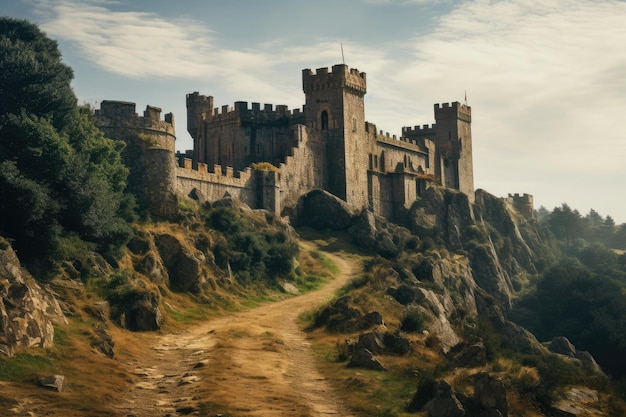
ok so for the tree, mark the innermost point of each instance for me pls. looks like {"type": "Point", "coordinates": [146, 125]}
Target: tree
{"type": "Point", "coordinates": [60, 178]}
{"type": "Point", "coordinates": [566, 223]}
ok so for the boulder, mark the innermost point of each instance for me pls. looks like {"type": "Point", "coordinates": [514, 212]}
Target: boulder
{"type": "Point", "coordinates": [102, 342]}
{"type": "Point", "coordinates": [52, 382]}
{"type": "Point", "coordinates": [466, 355]}
{"type": "Point", "coordinates": [363, 230]}
{"type": "Point", "coordinates": [396, 343]}
{"type": "Point", "coordinates": [363, 358]}
{"type": "Point", "coordinates": [145, 313]}
{"type": "Point", "coordinates": [372, 342]}
{"type": "Point", "coordinates": [562, 346]}
{"type": "Point", "coordinates": [444, 402]}
{"type": "Point", "coordinates": [373, 318]}
{"type": "Point", "coordinates": [404, 294]}
{"type": "Point", "coordinates": [322, 210]}
{"type": "Point", "coordinates": [340, 316]}
{"type": "Point", "coordinates": [490, 393]}
{"type": "Point", "coordinates": [588, 361]}
{"type": "Point", "coordinates": [578, 402]}
{"type": "Point", "coordinates": [184, 264]}
{"type": "Point", "coordinates": [27, 309]}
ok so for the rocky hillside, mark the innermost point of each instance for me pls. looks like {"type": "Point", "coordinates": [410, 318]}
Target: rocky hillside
{"type": "Point", "coordinates": [440, 287]}
{"type": "Point", "coordinates": [429, 312]}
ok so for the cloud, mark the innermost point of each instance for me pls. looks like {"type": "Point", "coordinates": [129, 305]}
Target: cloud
{"type": "Point", "coordinates": [132, 44]}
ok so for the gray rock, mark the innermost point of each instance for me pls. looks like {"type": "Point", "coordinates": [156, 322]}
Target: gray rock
{"type": "Point", "coordinates": [373, 318]}
{"type": "Point", "coordinates": [490, 393]}
{"type": "Point", "coordinates": [363, 358]}
{"type": "Point", "coordinates": [444, 402]}
{"type": "Point", "coordinates": [563, 346]}
{"type": "Point", "coordinates": [363, 230]}
{"type": "Point", "coordinates": [588, 361]}
{"type": "Point", "coordinates": [52, 382]}
{"type": "Point", "coordinates": [372, 342]}
{"type": "Point", "coordinates": [468, 356]}
{"type": "Point", "coordinates": [396, 344]}
{"type": "Point", "coordinates": [145, 314]}
{"type": "Point", "coordinates": [27, 309]}
{"type": "Point", "coordinates": [322, 210]}
{"type": "Point", "coordinates": [103, 342]}
{"type": "Point", "coordinates": [183, 265]}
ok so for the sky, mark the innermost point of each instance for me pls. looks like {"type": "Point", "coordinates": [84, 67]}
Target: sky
{"type": "Point", "coordinates": [546, 79]}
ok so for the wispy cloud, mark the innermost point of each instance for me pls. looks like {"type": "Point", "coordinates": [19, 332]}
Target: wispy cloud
{"type": "Point", "coordinates": [546, 79]}
{"type": "Point", "coordinates": [133, 44]}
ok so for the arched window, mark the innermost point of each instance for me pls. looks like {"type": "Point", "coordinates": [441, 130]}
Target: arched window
{"type": "Point", "coordinates": [324, 120]}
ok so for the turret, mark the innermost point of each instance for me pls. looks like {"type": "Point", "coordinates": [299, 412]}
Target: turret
{"type": "Point", "coordinates": [454, 146]}
{"type": "Point", "coordinates": [149, 152]}
{"type": "Point", "coordinates": [335, 107]}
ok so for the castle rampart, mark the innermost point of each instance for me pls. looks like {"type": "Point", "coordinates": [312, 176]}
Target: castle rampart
{"type": "Point", "coordinates": [523, 204]}
{"type": "Point", "coordinates": [326, 144]}
{"type": "Point", "coordinates": [149, 153]}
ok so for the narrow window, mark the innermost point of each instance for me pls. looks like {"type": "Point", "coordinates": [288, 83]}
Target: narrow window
{"type": "Point", "coordinates": [324, 120]}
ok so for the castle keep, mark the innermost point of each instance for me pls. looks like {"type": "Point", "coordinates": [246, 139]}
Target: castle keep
{"type": "Point", "coordinates": [268, 156]}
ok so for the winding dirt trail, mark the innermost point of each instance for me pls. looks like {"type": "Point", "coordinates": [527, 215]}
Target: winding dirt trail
{"type": "Point", "coordinates": [253, 363]}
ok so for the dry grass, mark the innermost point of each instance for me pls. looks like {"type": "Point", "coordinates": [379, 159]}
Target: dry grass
{"type": "Point", "coordinates": [374, 393]}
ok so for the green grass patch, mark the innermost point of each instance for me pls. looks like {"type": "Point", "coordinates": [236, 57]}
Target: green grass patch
{"type": "Point", "coordinates": [368, 393]}
{"type": "Point", "coordinates": [25, 366]}
{"type": "Point", "coordinates": [325, 261]}
{"type": "Point", "coordinates": [307, 283]}
{"type": "Point", "coordinates": [187, 315]}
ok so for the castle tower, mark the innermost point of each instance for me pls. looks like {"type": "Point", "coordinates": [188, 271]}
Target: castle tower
{"type": "Point", "coordinates": [335, 107]}
{"type": "Point", "coordinates": [149, 153]}
{"type": "Point", "coordinates": [198, 107]}
{"type": "Point", "coordinates": [453, 137]}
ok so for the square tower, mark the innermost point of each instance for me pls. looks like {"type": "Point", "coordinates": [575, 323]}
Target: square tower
{"type": "Point", "coordinates": [335, 108]}
{"type": "Point", "coordinates": [453, 138]}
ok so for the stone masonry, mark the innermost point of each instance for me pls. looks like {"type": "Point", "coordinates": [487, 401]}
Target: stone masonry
{"type": "Point", "coordinates": [268, 156]}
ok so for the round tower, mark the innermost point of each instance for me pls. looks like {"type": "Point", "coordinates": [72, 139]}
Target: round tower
{"type": "Point", "coordinates": [149, 153]}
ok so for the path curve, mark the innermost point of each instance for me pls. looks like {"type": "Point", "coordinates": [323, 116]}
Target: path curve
{"type": "Point", "coordinates": [252, 363]}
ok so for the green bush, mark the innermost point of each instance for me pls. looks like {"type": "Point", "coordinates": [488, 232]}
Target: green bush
{"type": "Point", "coordinates": [254, 249]}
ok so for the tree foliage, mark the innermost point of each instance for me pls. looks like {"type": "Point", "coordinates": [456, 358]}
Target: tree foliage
{"type": "Point", "coordinates": [59, 176]}
{"type": "Point", "coordinates": [585, 302]}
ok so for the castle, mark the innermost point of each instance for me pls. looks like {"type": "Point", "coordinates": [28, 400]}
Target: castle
{"type": "Point", "coordinates": [269, 156]}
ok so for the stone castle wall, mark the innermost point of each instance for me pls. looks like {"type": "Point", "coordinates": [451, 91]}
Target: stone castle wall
{"type": "Point", "coordinates": [328, 144]}
{"type": "Point", "coordinates": [150, 146]}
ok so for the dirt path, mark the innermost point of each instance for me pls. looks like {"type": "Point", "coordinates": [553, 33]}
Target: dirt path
{"type": "Point", "coordinates": [255, 363]}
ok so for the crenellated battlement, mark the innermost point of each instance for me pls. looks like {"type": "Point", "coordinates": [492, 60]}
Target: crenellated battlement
{"type": "Point", "coordinates": [217, 173]}
{"type": "Point", "coordinates": [122, 114]}
{"type": "Point", "coordinates": [339, 77]}
{"type": "Point", "coordinates": [419, 130]}
{"type": "Point", "coordinates": [244, 111]}
{"type": "Point", "coordinates": [453, 110]}
{"type": "Point", "coordinates": [524, 204]}
{"type": "Point", "coordinates": [400, 142]}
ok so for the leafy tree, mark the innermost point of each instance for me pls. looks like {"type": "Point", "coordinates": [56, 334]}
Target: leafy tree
{"type": "Point", "coordinates": [60, 178]}
{"type": "Point", "coordinates": [566, 223]}
{"type": "Point", "coordinates": [588, 308]}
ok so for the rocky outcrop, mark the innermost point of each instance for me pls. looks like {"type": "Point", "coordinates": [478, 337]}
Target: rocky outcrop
{"type": "Point", "coordinates": [341, 316]}
{"type": "Point", "coordinates": [184, 264]}
{"type": "Point", "coordinates": [443, 215]}
{"type": "Point", "coordinates": [437, 399]}
{"type": "Point", "coordinates": [52, 382]}
{"type": "Point", "coordinates": [27, 309]}
{"type": "Point", "coordinates": [322, 210]}
{"type": "Point", "coordinates": [363, 358]}
{"type": "Point", "coordinates": [563, 346]}
{"type": "Point", "coordinates": [490, 393]}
